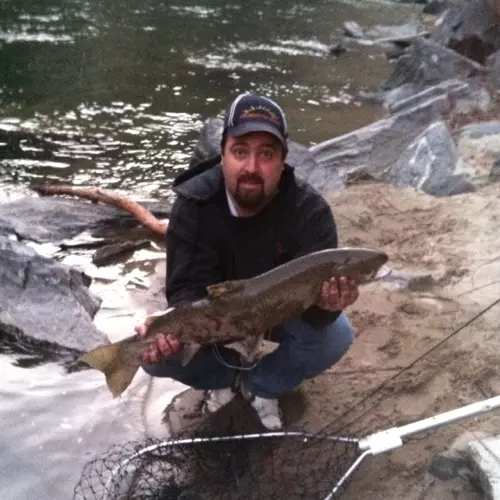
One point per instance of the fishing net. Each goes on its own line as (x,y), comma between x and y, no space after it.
(214,461)
(291,466)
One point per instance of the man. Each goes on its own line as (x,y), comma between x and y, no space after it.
(236,216)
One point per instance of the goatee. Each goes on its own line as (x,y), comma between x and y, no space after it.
(252,197)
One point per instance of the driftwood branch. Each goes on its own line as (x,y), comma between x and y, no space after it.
(94,194)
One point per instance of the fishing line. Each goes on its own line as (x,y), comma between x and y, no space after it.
(222,361)
(413,363)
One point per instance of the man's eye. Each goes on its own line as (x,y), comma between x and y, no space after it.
(239,152)
(268,154)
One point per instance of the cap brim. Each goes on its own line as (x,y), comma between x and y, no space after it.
(247,127)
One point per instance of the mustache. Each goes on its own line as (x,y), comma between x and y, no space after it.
(255,178)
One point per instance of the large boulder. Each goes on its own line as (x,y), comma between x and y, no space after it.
(54,219)
(298,156)
(471,28)
(429,164)
(373,149)
(426,63)
(45,304)
(463,96)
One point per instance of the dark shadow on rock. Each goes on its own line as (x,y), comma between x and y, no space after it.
(436,7)
(30,353)
(470,28)
(117,252)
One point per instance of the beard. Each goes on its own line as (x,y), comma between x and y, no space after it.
(249,197)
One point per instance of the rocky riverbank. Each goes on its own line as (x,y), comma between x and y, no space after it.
(421,184)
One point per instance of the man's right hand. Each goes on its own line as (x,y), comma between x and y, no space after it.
(164,346)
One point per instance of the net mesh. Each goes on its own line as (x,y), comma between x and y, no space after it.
(222,458)
(279,467)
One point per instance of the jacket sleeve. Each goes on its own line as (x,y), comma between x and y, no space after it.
(316,230)
(193,262)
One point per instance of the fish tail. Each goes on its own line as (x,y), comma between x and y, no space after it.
(105,358)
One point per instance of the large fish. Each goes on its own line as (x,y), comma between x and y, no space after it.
(240,310)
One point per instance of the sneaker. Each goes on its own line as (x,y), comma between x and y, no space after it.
(216,399)
(269,412)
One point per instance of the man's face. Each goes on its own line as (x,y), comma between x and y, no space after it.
(252,165)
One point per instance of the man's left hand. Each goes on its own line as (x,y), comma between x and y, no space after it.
(338,293)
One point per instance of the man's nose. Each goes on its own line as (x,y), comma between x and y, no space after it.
(253,162)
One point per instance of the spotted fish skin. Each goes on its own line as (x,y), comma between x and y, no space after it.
(238,310)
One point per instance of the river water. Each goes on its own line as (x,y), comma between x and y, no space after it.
(119,90)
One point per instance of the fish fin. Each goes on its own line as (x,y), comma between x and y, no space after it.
(189,351)
(105,359)
(225,288)
(249,348)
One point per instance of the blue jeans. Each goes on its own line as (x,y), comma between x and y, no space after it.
(303,353)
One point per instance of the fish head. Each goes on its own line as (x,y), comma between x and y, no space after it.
(362,264)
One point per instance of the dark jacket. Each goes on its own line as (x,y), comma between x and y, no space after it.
(206,244)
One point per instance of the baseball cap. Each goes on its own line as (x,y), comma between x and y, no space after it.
(251,112)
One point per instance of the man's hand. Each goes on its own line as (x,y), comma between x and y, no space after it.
(338,293)
(165,346)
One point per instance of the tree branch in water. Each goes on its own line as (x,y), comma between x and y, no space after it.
(94,194)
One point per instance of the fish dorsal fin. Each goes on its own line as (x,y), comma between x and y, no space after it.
(224,288)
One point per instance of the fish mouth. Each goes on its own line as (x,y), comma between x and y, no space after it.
(365,270)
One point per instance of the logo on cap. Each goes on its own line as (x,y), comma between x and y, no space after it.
(260,113)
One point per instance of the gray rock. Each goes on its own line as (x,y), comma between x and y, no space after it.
(416,282)
(427,63)
(470,28)
(392,38)
(478,148)
(353,29)
(375,148)
(44,303)
(475,96)
(398,101)
(388,98)
(397,31)
(208,145)
(484,455)
(480,130)
(115,252)
(298,156)
(429,164)
(54,219)
(464,95)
